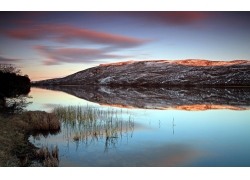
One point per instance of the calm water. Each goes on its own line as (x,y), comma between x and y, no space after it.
(169,135)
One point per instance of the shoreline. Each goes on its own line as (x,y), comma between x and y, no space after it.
(15,148)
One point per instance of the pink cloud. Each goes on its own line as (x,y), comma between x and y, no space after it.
(26,34)
(68,33)
(164,17)
(181,17)
(24,22)
(4,60)
(56,56)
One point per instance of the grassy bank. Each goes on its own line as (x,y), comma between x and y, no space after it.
(15,148)
(82,123)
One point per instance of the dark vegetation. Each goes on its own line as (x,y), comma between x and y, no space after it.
(15,148)
(16,125)
(14,89)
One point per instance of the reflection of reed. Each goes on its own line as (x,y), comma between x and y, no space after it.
(44,133)
(173,125)
(48,157)
(90,124)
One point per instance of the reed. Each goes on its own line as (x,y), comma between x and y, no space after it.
(41,120)
(83,123)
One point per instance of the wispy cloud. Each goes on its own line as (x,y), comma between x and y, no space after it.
(179,17)
(24,22)
(4,60)
(173,18)
(56,56)
(68,34)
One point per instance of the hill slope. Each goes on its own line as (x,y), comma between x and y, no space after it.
(161,73)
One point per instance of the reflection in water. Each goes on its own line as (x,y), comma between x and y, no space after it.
(173,125)
(172,154)
(46,156)
(87,125)
(45,133)
(16,104)
(180,98)
(90,132)
(152,137)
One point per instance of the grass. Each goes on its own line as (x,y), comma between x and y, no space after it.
(15,148)
(86,123)
(80,124)
(40,120)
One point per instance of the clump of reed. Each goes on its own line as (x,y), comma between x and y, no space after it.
(82,113)
(41,120)
(48,157)
(86,123)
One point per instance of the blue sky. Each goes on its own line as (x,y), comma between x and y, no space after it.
(55,44)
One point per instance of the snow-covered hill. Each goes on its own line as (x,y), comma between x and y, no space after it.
(161,73)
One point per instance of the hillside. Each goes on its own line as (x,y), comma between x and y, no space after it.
(161,73)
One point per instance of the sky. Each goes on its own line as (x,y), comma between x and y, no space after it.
(52,44)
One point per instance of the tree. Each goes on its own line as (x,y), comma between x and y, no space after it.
(13,89)
(9,68)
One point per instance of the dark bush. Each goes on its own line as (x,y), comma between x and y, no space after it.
(12,86)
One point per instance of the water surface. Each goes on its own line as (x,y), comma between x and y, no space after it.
(179,127)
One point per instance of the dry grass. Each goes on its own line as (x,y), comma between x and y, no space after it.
(15,148)
(41,120)
(14,145)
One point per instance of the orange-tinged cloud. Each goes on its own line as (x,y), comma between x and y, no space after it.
(68,33)
(74,55)
(179,17)
(173,18)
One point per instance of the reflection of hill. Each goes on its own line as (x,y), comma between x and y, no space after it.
(162,98)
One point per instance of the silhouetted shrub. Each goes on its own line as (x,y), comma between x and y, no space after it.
(12,87)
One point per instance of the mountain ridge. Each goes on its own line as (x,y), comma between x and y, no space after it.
(187,72)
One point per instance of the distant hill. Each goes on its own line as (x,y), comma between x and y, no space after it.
(161,73)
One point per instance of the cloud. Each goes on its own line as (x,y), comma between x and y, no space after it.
(24,22)
(4,60)
(56,56)
(21,18)
(174,18)
(68,34)
(179,17)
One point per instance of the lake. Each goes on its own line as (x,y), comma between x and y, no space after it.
(154,127)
